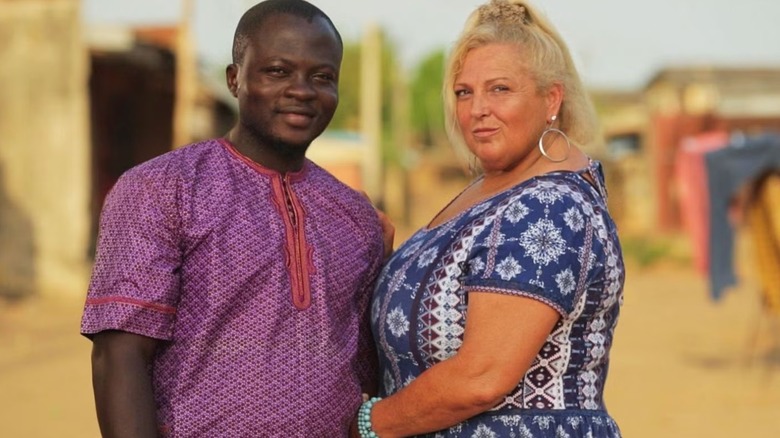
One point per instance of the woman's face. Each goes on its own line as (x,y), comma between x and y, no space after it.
(500,112)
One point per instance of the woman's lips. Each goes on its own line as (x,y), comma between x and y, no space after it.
(483,132)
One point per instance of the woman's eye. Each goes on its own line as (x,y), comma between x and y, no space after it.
(461,93)
(500,88)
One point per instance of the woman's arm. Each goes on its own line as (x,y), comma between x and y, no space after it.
(502,337)
(122,384)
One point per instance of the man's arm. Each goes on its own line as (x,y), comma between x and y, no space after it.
(122,384)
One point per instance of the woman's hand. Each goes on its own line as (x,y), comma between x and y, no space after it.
(388,233)
(388,229)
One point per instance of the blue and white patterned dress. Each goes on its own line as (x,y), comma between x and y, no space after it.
(549,238)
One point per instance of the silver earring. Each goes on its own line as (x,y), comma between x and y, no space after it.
(548,130)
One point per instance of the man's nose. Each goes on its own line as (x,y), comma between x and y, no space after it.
(300,87)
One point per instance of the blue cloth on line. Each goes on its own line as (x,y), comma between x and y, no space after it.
(727,170)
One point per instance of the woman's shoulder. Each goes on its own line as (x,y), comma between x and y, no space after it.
(550,189)
(564,187)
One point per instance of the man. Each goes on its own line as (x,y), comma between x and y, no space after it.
(230,291)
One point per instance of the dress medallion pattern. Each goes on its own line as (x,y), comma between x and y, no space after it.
(549,238)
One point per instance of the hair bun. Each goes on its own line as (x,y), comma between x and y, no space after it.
(503,11)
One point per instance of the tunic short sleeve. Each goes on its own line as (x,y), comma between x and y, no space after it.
(538,246)
(135,279)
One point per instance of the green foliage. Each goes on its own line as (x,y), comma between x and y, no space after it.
(422,110)
(347,117)
(648,251)
(644,251)
(427,111)
(392,83)
(348,112)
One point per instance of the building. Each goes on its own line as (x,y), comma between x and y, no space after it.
(44,148)
(689,100)
(645,129)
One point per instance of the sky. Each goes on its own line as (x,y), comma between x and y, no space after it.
(617,44)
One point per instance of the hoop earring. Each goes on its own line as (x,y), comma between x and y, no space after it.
(548,130)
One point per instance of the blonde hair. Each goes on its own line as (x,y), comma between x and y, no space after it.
(548,62)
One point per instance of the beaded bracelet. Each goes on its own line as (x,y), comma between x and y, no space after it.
(364,418)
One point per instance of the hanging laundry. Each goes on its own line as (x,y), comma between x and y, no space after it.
(691,177)
(728,169)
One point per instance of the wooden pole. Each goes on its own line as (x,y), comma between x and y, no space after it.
(371,111)
(186,78)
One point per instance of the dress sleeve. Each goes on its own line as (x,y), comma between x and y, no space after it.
(540,245)
(135,277)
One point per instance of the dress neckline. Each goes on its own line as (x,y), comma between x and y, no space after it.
(591,169)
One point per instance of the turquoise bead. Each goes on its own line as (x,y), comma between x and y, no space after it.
(365,428)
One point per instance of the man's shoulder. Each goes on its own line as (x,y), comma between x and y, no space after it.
(175,163)
(189,153)
(329,183)
(168,170)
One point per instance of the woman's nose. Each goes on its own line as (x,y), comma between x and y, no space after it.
(479,106)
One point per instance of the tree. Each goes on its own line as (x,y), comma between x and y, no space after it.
(427,109)
(347,116)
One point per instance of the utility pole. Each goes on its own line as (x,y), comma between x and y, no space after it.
(186,77)
(371,111)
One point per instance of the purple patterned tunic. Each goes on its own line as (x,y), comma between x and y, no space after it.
(550,239)
(259,282)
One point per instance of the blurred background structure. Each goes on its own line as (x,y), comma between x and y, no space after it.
(90,88)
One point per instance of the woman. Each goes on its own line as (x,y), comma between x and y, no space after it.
(496,319)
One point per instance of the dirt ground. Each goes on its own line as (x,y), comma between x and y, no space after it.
(682,365)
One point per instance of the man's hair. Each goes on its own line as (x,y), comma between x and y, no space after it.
(254,17)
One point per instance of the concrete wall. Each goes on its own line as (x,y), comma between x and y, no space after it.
(44,148)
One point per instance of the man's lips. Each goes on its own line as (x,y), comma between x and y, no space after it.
(300,110)
(297,116)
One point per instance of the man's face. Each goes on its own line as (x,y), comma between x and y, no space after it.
(287,81)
